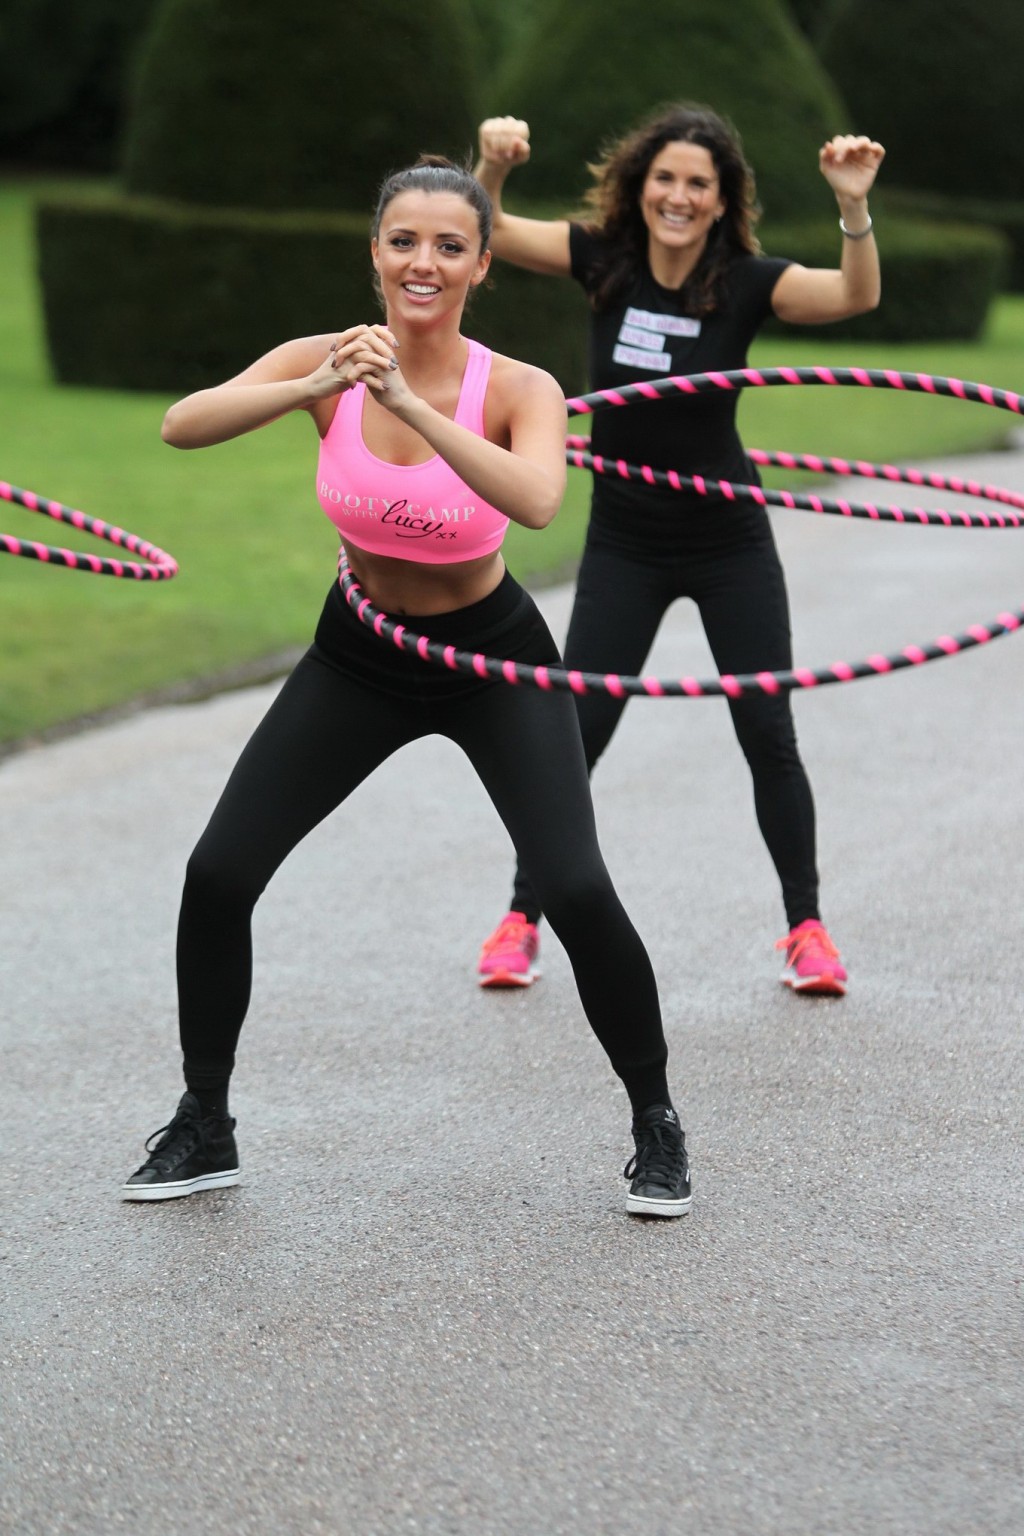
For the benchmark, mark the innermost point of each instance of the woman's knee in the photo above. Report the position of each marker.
(216, 879)
(578, 893)
(765, 731)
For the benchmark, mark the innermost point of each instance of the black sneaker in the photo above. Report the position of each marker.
(192, 1153)
(659, 1169)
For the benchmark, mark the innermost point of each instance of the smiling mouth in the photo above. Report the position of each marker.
(421, 290)
(678, 220)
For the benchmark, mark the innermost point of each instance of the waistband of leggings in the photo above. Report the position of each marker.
(508, 601)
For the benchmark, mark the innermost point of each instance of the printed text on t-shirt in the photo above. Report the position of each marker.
(642, 335)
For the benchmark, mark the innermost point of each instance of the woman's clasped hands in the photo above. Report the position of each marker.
(364, 354)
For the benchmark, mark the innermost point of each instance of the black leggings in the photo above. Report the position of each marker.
(739, 588)
(325, 732)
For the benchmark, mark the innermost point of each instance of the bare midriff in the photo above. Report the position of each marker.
(408, 586)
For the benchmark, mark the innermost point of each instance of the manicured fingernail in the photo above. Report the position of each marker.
(393, 362)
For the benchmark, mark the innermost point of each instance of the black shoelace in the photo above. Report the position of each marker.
(179, 1137)
(660, 1158)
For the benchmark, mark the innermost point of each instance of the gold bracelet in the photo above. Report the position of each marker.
(860, 234)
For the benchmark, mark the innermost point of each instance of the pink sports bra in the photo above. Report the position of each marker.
(410, 511)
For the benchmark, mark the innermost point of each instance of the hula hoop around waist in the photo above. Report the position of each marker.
(727, 686)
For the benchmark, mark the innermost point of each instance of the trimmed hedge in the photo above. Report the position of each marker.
(1005, 216)
(144, 294)
(267, 104)
(939, 85)
(938, 281)
(64, 73)
(588, 72)
(542, 320)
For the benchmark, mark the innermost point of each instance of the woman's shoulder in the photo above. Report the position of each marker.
(755, 263)
(515, 371)
(289, 359)
(754, 274)
(589, 247)
(511, 379)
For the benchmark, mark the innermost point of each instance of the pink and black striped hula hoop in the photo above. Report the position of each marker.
(878, 665)
(153, 564)
(577, 453)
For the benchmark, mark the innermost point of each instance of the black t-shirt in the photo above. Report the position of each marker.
(648, 334)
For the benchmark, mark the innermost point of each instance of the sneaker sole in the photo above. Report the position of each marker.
(510, 978)
(183, 1187)
(815, 986)
(640, 1205)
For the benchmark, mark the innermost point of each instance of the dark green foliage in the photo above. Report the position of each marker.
(140, 294)
(591, 71)
(1009, 217)
(542, 320)
(269, 104)
(64, 78)
(41, 61)
(501, 28)
(940, 86)
(937, 280)
(813, 17)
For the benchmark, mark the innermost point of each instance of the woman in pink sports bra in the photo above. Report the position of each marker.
(429, 446)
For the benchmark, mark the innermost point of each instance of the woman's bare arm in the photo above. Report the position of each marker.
(298, 375)
(540, 245)
(816, 295)
(526, 480)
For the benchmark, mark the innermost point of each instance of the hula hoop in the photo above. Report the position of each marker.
(736, 686)
(577, 453)
(729, 686)
(765, 378)
(153, 564)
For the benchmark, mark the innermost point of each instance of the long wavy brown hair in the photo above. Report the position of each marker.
(613, 203)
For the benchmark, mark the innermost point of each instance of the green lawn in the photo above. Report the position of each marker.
(256, 555)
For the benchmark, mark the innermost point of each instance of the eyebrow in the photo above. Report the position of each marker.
(452, 234)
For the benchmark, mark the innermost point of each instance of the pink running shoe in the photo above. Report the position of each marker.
(508, 956)
(812, 961)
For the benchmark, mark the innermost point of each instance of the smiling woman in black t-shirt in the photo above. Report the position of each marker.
(676, 282)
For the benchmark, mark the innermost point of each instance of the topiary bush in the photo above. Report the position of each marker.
(144, 294)
(1005, 216)
(498, 29)
(64, 73)
(250, 104)
(939, 86)
(814, 16)
(589, 72)
(240, 115)
(543, 320)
